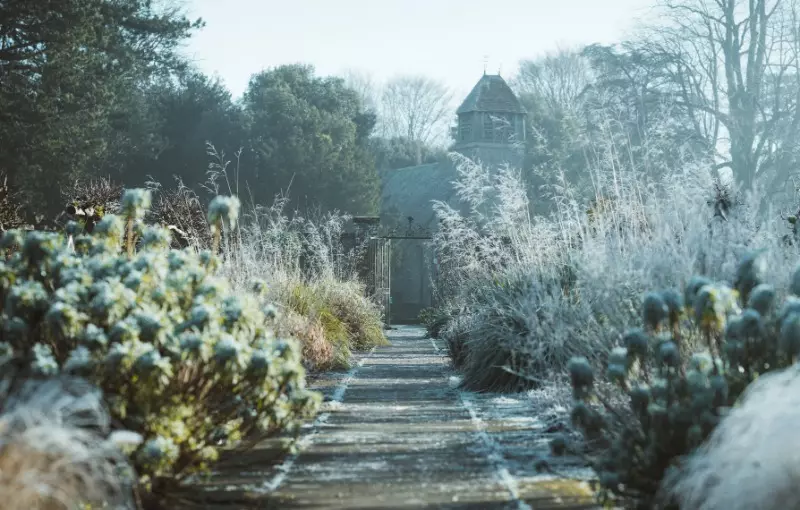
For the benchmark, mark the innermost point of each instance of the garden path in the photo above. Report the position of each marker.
(396, 432)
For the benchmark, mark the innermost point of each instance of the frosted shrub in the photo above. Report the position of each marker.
(311, 277)
(637, 234)
(183, 360)
(694, 356)
(525, 333)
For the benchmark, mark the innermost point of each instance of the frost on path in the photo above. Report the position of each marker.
(396, 432)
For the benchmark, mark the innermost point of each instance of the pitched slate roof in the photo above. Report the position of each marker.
(411, 191)
(491, 94)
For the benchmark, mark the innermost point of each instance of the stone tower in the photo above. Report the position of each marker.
(491, 123)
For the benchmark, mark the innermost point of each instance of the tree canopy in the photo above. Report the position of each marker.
(69, 70)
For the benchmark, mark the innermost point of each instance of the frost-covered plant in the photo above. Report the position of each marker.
(310, 274)
(223, 213)
(57, 450)
(522, 333)
(679, 376)
(349, 321)
(182, 359)
(434, 319)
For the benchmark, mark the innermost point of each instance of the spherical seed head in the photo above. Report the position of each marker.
(270, 312)
(702, 362)
(618, 356)
(790, 305)
(44, 363)
(79, 361)
(156, 238)
(654, 310)
(39, 246)
(712, 306)
(135, 202)
(693, 287)
(762, 298)
(93, 337)
(11, 239)
(581, 372)
(733, 329)
(72, 228)
(616, 373)
(157, 449)
(752, 324)
(224, 209)
(226, 349)
(259, 287)
(637, 342)
(111, 227)
(674, 301)
(751, 271)
(116, 354)
(259, 360)
(147, 361)
(191, 343)
(669, 355)
(790, 334)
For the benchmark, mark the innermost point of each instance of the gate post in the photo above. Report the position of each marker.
(375, 267)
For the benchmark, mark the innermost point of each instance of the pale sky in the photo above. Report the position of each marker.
(444, 39)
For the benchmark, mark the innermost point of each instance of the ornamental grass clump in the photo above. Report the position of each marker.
(57, 451)
(183, 360)
(679, 374)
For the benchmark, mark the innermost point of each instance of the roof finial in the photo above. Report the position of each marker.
(500, 69)
(485, 63)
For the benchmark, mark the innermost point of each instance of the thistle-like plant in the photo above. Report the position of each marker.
(135, 202)
(223, 212)
(676, 397)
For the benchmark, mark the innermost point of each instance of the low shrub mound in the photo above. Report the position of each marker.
(318, 353)
(679, 377)
(181, 359)
(435, 320)
(521, 333)
(360, 316)
(348, 321)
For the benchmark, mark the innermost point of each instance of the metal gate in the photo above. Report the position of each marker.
(378, 274)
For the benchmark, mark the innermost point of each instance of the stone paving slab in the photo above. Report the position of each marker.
(395, 432)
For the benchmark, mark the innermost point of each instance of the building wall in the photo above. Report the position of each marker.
(411, 279)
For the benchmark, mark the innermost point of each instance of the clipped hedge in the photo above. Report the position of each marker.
(181, 359)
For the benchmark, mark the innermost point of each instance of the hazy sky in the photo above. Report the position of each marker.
(443, 39)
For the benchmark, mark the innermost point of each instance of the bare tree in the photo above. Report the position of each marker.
(733, 65)
(557, 79)
(417, 108)
(364, 85)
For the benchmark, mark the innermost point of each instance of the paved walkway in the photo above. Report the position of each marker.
(395, 432)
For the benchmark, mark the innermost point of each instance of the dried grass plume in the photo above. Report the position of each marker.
(55, 451)
(752, 459)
